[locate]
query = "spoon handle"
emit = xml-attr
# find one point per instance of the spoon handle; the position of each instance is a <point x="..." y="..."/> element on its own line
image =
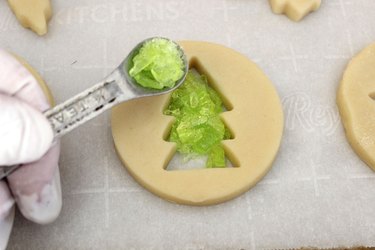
<point x="83" y="107"/>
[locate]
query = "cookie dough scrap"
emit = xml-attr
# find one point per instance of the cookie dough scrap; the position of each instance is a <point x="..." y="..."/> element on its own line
<point x="254" y="117"/>
<point x="296" y="10"/>
<point x="33" y="14"/>
<point x="356" y="103"/>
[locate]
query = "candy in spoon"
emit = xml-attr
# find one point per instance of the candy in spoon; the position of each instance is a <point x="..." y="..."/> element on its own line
<point x="158" y="64"/>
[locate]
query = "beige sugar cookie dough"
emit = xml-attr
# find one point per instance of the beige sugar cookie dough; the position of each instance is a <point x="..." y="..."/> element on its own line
<point x="255" y="119"/>
<point x="356" y="102"/>
<point x="33" y="14"/>
<point x="39" y="79"/>
<point x="296" y="10"/>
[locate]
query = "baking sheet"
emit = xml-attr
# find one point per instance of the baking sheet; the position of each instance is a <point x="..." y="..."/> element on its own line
<point x="318" y="192"/>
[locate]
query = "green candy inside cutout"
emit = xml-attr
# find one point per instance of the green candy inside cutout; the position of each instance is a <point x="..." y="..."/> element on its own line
<point x="198" y="129"/>
<point x="158" y="64"/>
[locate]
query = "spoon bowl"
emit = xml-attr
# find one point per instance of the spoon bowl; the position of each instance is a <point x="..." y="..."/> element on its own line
<point x="126" y="65"/>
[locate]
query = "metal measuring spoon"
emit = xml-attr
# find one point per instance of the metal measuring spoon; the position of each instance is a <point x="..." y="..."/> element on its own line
<point x="117" y="87"/>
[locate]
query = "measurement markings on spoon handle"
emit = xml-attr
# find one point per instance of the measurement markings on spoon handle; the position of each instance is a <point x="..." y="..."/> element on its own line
<point x="83" y="107"/>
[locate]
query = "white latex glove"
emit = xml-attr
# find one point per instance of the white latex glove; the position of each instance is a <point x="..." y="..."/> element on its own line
<point x="26" y="137"/>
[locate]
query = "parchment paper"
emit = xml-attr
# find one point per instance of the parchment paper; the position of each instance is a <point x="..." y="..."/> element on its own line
<point x="318" y="193"/>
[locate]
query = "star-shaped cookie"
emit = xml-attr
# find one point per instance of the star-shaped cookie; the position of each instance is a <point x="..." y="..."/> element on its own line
<point x="33" y="14"/>
<point x="294" y="9"/>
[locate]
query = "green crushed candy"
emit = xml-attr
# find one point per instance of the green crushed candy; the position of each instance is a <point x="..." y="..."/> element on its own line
<point x="158" y="64"/>
<point x="198" y="129"/>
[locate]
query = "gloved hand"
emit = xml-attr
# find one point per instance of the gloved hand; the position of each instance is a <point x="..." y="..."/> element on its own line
<point x="26" y="138"/>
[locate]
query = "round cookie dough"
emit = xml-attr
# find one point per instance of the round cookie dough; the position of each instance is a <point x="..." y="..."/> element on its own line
<point x="255" y="119"/>
<point x="356" y="103"/>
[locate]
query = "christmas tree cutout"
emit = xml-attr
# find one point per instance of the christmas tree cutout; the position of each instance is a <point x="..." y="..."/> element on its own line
<point x="198" y="129"/>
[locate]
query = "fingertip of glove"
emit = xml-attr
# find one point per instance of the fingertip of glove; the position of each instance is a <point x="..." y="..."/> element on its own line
<point x="6" y="228"/>
<point x="6" y="201"/>
<point x="45" y="207"/>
